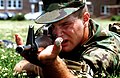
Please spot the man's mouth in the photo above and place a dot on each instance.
(64, 42)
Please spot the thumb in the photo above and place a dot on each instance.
(18, 39)
(57, 45)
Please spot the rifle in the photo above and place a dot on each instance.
(33, 43)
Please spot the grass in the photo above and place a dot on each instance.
(9, 28)
(8, 57)
(105, 22)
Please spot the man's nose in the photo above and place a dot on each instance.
(59, 32)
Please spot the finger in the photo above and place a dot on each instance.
(51, 51)
(57, 45)
(18, 39)
(40, 49)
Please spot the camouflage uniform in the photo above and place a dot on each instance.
(98, 57)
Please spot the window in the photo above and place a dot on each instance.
(19, 3)
(1, 4)
(40, 6)
(9, 3)
(33, 1)
(90, 9)
(118, 11)
(105, 10)
(14, 4)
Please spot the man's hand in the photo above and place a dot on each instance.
(50, 53)
(45, 56)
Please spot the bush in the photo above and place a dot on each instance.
(115, 18)
(18, 17)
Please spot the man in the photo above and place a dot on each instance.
(85, 50)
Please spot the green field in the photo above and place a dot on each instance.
(8, 57)
(9, 28)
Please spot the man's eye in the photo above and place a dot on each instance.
(53, 27)
(65, 25)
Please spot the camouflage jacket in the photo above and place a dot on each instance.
(98, 57)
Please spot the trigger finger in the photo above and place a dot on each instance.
(40, 49)
(18, 39)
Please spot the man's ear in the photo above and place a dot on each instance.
(86, 17)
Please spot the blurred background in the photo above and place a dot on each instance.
(97, 8)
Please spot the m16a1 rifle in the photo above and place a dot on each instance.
(34, 42)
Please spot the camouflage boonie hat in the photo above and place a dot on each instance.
(56, 10)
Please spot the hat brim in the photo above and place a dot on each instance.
(54, 16)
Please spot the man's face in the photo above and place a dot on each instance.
(71, 29)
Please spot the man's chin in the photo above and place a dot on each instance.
(65, 49)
